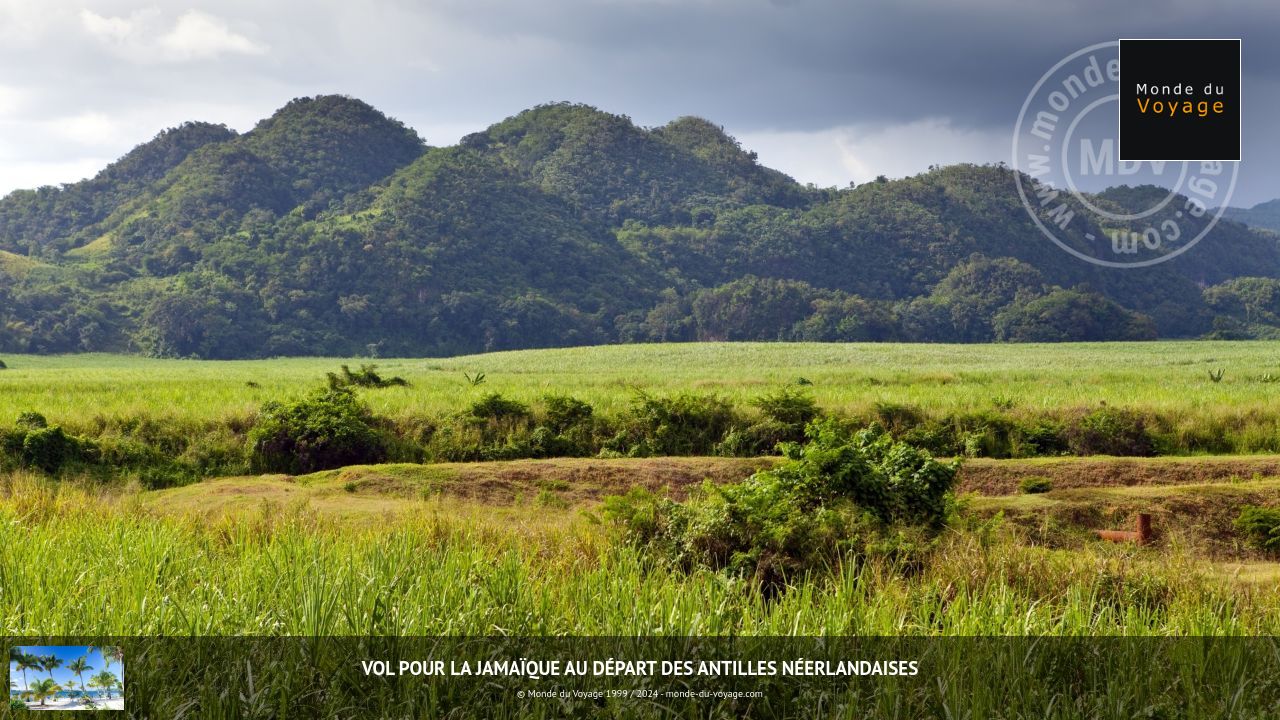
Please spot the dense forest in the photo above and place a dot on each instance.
(331, 229)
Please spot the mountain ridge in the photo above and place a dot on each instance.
(1264, 215)
(330, 228)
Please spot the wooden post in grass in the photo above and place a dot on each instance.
(1141, 536)
(1144, 528)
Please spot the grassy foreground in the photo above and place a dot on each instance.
(516, 548)
(441, 566)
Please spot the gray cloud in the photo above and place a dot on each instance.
(834, 80)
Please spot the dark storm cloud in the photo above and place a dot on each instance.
(87, 79)
(809, 65)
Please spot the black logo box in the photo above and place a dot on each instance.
(1180, 62)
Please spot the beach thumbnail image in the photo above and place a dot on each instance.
(66, 677)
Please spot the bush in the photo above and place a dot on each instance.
(48, 448)
(840, 492)
(1035, 484)
(32, 420)
(1043, 436)
(328, 429)
(789, 407)
(495, 407)
(565, 413)
(898, 417)
(684, 424)
(761, 438)
(786, 413)
(984, 434)
(1109, 431)
(1260, 527)
(366, 377)
(34, 443)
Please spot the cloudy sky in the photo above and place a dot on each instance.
(827, 90)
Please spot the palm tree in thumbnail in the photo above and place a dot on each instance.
(80, 666)
(43, 689)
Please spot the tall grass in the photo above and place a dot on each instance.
(1165, 376)
(74, 561)
(197, 411)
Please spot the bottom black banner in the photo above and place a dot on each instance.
(856, 677)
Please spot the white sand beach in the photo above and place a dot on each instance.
(77, 704)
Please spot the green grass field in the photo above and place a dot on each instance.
(169, 562)
(519, 547)
(1172, 377)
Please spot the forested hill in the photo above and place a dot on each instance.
(331, 229)
(1264, 215)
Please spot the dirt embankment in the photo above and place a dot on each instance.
(587, 479)
(1001, 477)
(576, 480)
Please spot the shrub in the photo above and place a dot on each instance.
(898, 417)
(1109, 431)
(684, 424)
(11, 446)
(49, 448)
(1260, 527)
(1035, 484)
(840, 492)
(32, 420)
(492, 428)
(328, 429)
(366, 376)
(1043, 436)
(549, 499)
(34, 443)
(760, 438)
(985, 434)
(542, 442)
(495, 407)
(788, 406)
(785, 415)
(936, 436)
(565, 413)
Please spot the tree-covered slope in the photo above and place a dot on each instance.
(31, 220)
(1263, 215)
(331, 229)
(455, 252)
(609, 168)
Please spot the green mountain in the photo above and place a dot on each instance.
(331, 229)
(31, 220)
(1263, 215)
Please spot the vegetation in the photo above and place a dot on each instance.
(1035, 484)
(43, 689)
(366, 377)
(1261, 527)
(166, 422)
(330, 229)
(106, 680)
(432, 568)
(837, 496)
(1263, 215)
(324, 430)
(79, 666)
